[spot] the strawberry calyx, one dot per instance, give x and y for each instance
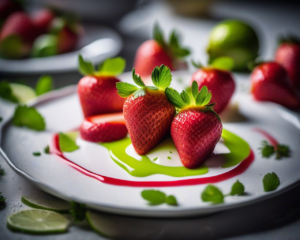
(161, 78)
(173, 47)
(197, 100)
(110, 67)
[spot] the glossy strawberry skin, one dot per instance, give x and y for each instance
(21, 25)
(150, 55)
(98, 95)
(114, 129)
(288, 55)
(195, 135)
(148, 119)
(67, 40)
(43, 19)
(219, 82)
(270, 82)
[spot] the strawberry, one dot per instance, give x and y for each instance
(288, 55)
(147, 111)
(17, 35)
(156, 52)
(219, 82)
(97, 90)
(8, 7)
(43, 19)
(270, 82)
(104, 128)
(196, 129)
(67, 40)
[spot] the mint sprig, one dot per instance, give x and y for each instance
(156, 197)
(6, 92)
(268, 150)
(212, 194)
(161, 78)
(28, 117)
(110, 67)
(44, 85)
(47, 150)
(173, 46)
(237, 189)
(66, 143)
(271, 182)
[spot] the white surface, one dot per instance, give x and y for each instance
(55, 176)
(96, 44)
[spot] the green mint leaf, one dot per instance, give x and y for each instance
(2, 172)
(44, 85)
(197, 65)
(161, 77)
(185, 98)
(77, 211)
(195, 89)
(201, 96)
(66, 143)
(2, 199)
(139, 93)
(158, 35)
(6, 92)
(28, 117)
(112, 66)
(171, 200)
(174, 97)
(125, 89)
(270, 182)
(212, 194)
(169, 158)
(237, 188)
(154, 159)
(137, 79)
(47, 150)
(207, 99)
(266, 149)
(36, 154)
(282, 151)
(170, 151)
(85, 67)
(154, 197)
(223, 63)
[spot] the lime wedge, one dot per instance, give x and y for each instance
(22, 92)
(37, 221)
(98, 224)
(47, 202)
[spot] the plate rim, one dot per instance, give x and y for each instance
(137, 211)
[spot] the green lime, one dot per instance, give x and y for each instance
(22, 92)
(234, 39)
(37, 221)
(47, 202)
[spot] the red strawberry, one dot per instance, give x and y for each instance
(196, 129)
(67, 40)
(148, 113)
(219, 82)
(19, 24)
(104, 128)
(8, 7)
(153, 53)
(43, 19)
(97, 91)
(288, 55)
(270, 82)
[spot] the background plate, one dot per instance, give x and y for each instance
(96, 44)
(62, 112)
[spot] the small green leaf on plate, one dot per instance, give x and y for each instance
(212, 194)
(170, 151)
(267, 150)
(67, 144)
(154, 197)
(28, 117)
(36, 154)
(47, 149)
(171, 200)
(237, 188)
(154, 159)
(44, 85)
(271, 182)
(169, 158)
(282, 151)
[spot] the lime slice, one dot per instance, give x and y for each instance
(22, 92)
(234, 39)
(98, 224)
(47, 202)
(37, 221)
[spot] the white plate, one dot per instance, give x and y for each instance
(62, 112)
(96, 44)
